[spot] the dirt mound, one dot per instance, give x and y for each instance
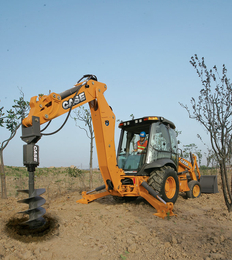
(19, 231)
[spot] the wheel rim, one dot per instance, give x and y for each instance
(196, 191)
(170, 187)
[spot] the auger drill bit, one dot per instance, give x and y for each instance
(31, 135)
(35, 210)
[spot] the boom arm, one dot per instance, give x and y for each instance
(103, 118)
(51, 106)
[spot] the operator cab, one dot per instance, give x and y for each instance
(161, 145)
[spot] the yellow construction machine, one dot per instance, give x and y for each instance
(152, 170)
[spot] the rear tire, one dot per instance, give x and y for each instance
(195, 189)
(165, 181)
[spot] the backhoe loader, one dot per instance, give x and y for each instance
(156, 173)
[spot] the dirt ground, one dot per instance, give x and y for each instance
(105, 229)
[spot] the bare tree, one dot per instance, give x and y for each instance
(11, 121)
(84, 115)
(213, 110)
(210, 158)
(192, 148)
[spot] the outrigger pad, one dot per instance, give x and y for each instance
(209, 184)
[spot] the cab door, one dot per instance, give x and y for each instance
(174, 146)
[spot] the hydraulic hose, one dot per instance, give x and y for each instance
(68, 93)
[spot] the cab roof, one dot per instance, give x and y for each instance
(144, 123)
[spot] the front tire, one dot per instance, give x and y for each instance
(195, 189)
(165, 181)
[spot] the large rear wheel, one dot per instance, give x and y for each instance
(165, 181)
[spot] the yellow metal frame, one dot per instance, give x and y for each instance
(186, 167)
(163, 210)
(103, 118)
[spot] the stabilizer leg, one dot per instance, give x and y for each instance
(86, 198)
(163, 210)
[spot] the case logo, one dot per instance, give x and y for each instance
(184, 162)
(35, 153)
(78, 99)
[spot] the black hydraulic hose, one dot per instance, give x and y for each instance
(71, 91)
(68, 93)
(89, 76)
(65, 121)
(46, 126)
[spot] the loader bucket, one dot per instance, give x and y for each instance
(209, 184)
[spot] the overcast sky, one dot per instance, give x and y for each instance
(140, 49)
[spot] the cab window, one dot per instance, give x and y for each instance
(173, 140)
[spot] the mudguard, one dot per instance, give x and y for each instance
(160, 163)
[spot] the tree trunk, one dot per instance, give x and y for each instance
(225, 187)
(3, 177)
(91, 164)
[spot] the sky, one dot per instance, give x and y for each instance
(139, 49)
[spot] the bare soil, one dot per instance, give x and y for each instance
(105, 229)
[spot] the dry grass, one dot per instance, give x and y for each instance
(60, 180)
(56, 180)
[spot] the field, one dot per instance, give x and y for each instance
(106, 229)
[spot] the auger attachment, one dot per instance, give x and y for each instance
(31, 135)
(35, 210)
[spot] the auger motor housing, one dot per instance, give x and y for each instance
(31, 156)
